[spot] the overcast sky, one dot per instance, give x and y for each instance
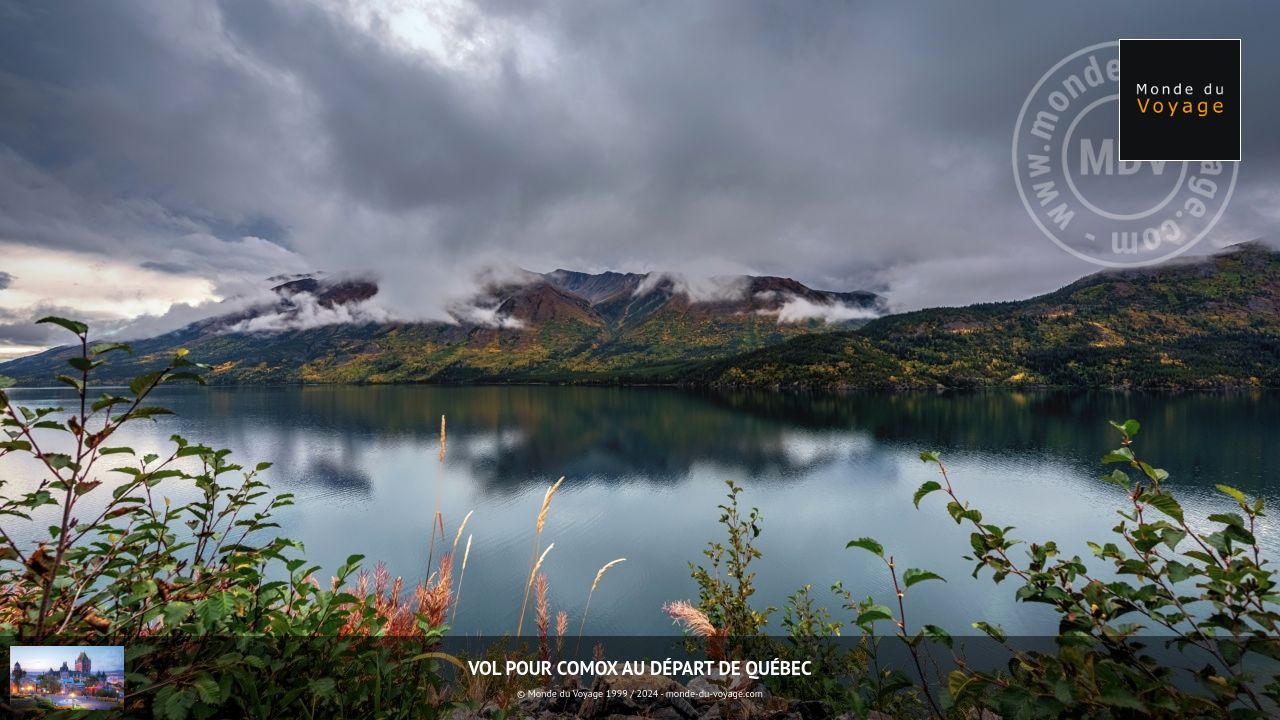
(158, 156)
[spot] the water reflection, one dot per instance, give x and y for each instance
(644, 470)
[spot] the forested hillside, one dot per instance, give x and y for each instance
(1193, 324)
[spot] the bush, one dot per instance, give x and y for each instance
(849, 676)
(1185, 623)
(219, 618)
(1209, 590)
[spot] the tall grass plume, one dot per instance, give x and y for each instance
(587, 608)
(544, 618)
(457, 596)
(537, 544)
(533, 573)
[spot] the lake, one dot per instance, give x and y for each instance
(645, 470)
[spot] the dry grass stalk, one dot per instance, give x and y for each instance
(394, 617)
(437, 517)
(594, 583)
(528, 585)
(537, 543)
(538, 565)
(562, 624)
(457, 596)
(697, 623)
(691, 618)
(546, 504)
(544, 618)
(437, 526)
(434, 598)
(461, 527)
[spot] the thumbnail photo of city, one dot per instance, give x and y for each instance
(68, 676)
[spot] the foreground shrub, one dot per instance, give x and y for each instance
(218, 621)
(1184, 622)
(1202, 586)
(850, 675)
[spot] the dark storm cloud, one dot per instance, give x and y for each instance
(20, 328)
(25, 332)
(5, 279)
(842, 144)
(406, 134)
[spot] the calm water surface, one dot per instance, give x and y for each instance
(645, 470)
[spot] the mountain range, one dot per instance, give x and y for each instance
(1207, 323)
(562, 326)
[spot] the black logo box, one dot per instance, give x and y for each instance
(1186, 64)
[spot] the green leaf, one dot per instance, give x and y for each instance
(924, 490)
(1123, 454)
(1128, 427)
(868, 544)
(1177, 571)
(1230, 491)
(148, 411)
(322, 686)
(73, 382)
(994, 631)
(82, 364)
(916, 575)
(74, 326)
(959, 512)
(175, 612)
(105, 348)
(874, 614)
(144, 381)
(176, 704)
(1232, 519)
(186, 376)
(937, 633)
(1155, 473)
(207, 689)
(929, 456)
(1117, 477)
(1171, 536)
(58, 461)
(214, 608)
(107, 401)
(1165, 504)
